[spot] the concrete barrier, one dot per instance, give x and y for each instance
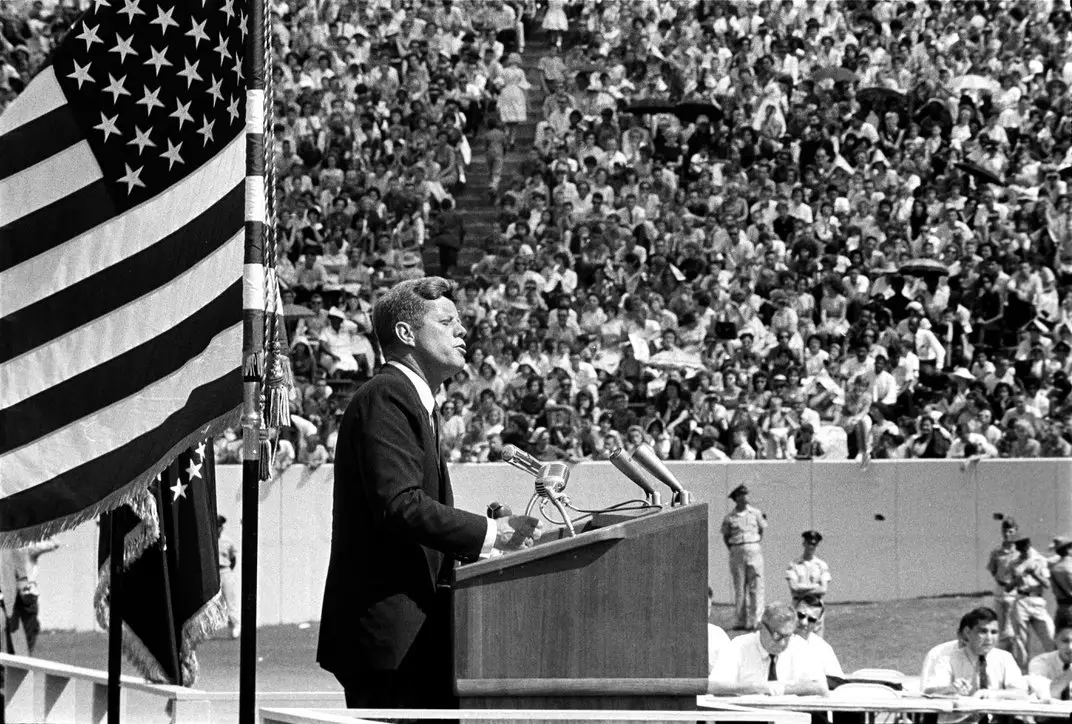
(896, 529)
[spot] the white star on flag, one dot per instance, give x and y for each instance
(115, 87)
(221, 49)
(150, 100)
(158, 59)
(89, 34)
(141, 140)
(193, 471)
(164, 20)
(215, 92)
(81, 74)
(182, 112)
(131, 178)
(197, 32)
(232, 109)
(108, 126)
(178, 490)
(190, 72)
(200, 449)
(228, 9)
(206, 130)
(130, 9)
(172, 154)
(124, 47)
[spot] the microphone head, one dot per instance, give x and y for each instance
(509, 452)
(629, 468)
(651, 462)
(497, 510)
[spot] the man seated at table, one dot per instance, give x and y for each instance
(772, 661)
(810, 610)
(1056, 666)
(972, 665)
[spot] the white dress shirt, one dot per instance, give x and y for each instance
(745, 661)
(428, 400)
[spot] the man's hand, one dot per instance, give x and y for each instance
(517, 532)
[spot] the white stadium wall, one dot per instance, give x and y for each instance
(893, 530)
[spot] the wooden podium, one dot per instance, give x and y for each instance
(614, 618)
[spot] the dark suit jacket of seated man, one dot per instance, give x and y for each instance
(386, 624)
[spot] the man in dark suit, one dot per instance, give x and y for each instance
(385, 630)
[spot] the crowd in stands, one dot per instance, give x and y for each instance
(775, 230)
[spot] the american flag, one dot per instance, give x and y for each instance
(122, 169)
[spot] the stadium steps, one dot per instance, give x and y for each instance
(475, 202)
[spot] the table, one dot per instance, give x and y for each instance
(898, 704)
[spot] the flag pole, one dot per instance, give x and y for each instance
(253, 353)
(115, 619)
(169, 607)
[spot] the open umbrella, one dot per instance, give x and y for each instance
(936, 111)
(834, 73)
(980, 173)
(650, 106)
(923, 267)
(689, 111)
(676, 359)
(878, 96)
(296, 311)
(974, 82)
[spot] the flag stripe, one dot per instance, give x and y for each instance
(49, 228)
(84, 485)
(40, 97)
(47, 182)
(136, 323)
(100, 245)
(120, 283)
(107, 430)
(40, 139)
(78, 396)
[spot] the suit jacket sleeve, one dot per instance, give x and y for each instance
(393, 447)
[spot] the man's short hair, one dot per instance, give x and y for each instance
(778, 615)
(977, 616)
(406, 302)
(812, 601)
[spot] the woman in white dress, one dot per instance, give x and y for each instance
(513, 104)
(554, 21)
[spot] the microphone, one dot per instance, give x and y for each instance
(628, 467)
(651, 462)
(551, 479)
(521, 460)
(497, 510)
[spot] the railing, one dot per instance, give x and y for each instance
(360, 716)
(41, 691)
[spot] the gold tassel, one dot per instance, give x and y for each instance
(277, 391)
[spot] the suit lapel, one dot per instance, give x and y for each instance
(445, 494)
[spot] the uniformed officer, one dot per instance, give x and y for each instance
(742, 530)
(1000, 565)
(809, 575)
(1030, 580)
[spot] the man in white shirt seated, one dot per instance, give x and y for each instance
(972, 665)
(717, 640)
(810, 610)
(773, 660)
(1056, 666)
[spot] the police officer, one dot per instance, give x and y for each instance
(742, 531)
(809, 575)
(1000, 565)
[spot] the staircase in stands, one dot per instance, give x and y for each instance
(475, 203)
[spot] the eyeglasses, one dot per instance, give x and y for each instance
(805, 617)
(778, 638)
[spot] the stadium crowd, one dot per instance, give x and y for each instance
(780, 229)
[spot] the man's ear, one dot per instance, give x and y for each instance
(404, 333)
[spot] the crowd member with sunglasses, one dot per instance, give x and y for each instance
(810, 613)
(772, 661)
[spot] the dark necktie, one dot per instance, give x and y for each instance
(984, 679)
(772, 670)
(1066, 693)
(436, 425)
